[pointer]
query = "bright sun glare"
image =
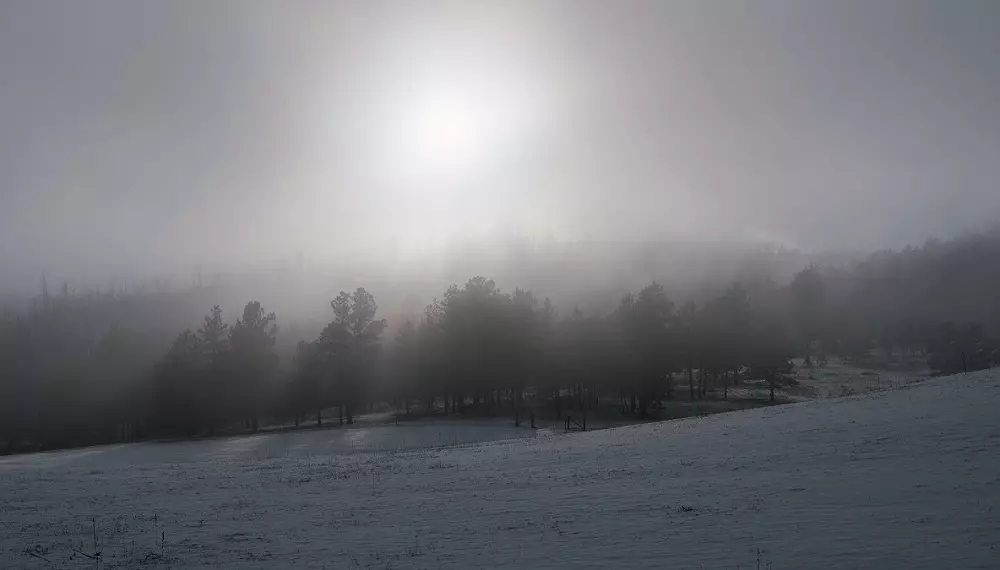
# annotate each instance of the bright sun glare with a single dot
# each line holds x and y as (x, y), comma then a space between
(447, 132)
(448, 135)
(449, 142)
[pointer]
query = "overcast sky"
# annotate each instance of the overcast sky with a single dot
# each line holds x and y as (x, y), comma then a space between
(154, 135)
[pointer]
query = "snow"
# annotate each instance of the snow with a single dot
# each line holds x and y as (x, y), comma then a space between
(907, 478)
(839, 377)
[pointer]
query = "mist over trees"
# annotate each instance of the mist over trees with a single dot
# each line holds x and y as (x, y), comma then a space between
(118, 366)
(939, 301)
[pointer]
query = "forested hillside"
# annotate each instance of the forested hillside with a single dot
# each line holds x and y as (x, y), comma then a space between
(113, 366)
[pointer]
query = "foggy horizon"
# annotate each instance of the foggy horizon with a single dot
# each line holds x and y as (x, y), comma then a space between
(142, 141)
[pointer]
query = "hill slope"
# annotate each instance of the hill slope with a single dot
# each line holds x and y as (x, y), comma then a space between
(903, 479)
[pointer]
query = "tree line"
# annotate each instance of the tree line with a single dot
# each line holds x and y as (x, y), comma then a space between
(92, 368)
(475, 349)
(938, 302)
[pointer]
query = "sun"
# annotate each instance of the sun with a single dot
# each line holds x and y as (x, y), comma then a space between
(448, 135)
(452, 130)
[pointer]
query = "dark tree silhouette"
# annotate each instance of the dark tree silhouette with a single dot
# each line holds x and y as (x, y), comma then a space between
(252, 363)
(406, 365)
(645, 320)
(310, 388)
(349, 346)
(176, 390)
(216, 404)
(807, 305)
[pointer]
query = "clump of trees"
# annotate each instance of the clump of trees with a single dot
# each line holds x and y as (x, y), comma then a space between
(480, 348)
(936, 303)
(75, 367)
(337, 368)
(476, 349)
(216, 376)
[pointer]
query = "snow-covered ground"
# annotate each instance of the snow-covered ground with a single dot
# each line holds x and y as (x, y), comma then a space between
(906, 478)
(839, 377)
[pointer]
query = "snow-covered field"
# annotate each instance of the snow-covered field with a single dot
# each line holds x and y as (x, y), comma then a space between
(839, 377)
(900, 479)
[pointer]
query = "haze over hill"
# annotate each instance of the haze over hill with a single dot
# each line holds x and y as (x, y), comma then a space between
(140, 141)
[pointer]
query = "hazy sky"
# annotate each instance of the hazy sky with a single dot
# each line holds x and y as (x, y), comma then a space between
(156, 135)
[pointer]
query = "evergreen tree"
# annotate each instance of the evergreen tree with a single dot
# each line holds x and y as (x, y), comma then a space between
(349, 345)
(253, 362)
